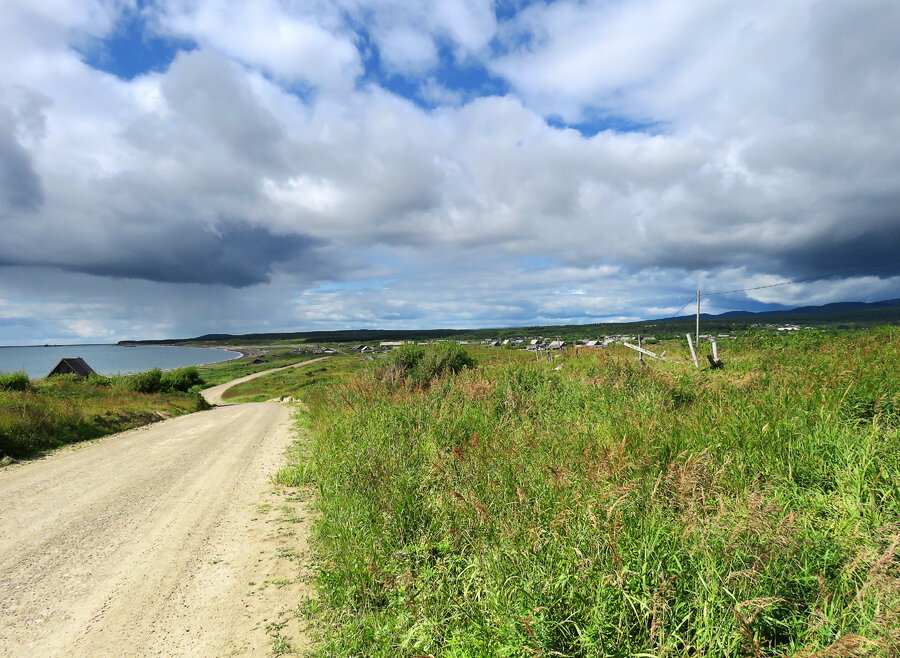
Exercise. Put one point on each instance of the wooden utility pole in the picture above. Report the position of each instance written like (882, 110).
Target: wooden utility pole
(697, 335)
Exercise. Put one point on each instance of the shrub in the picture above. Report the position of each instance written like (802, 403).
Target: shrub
(14, 381)
(144, 382)
(180, 380)
(156, 381)
(440, 358)
(420, 365)
(98, 380)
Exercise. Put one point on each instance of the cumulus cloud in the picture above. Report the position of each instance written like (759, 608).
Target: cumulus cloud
(292, 46)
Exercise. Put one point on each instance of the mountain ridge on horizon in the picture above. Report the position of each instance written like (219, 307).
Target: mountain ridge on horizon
(823, 309)
(819, 312)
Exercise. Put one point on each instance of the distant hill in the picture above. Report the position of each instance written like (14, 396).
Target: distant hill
(825, 309)
(840, 315)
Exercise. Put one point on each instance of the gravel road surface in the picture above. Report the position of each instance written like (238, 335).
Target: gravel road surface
(168, 540)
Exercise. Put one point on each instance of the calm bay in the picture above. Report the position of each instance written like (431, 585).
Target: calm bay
(37, 361)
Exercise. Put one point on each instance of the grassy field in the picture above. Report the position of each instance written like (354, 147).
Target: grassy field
(219, 373)
(595, 506)
(297, 382)
(49, 413)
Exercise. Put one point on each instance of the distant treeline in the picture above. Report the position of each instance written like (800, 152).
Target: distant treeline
(845, 315)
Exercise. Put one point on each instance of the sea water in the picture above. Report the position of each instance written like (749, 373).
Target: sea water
(109, 359)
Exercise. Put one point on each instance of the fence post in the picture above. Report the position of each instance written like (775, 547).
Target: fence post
(693, 353)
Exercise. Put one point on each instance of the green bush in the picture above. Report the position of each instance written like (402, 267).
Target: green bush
(180, 380)
(440, 358)
(420, 365)
(156, 381)
(148, 381)
(14, 381)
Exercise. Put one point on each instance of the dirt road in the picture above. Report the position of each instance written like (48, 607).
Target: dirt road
(214, 395)
(168, 540)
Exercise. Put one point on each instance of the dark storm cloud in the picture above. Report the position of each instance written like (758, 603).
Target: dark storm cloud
(862, 250)
(20, 186)
(233, 254)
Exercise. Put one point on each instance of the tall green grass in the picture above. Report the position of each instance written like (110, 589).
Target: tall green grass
(41, 415)
(617, 509)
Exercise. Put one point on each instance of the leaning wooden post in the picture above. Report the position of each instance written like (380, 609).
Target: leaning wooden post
(641, 344)
(715, 349)
(693, 353)
(643, 350)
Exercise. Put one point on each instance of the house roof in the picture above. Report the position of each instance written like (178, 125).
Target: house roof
(75, 365)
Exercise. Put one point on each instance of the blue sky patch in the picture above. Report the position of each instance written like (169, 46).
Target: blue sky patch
(599, 123)
(131, 49)
(469, 79)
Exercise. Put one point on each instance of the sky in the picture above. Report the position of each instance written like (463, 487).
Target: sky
(178, 167)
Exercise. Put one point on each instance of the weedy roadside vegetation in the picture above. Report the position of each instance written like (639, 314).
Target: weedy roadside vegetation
(610, 508)
(40, 415)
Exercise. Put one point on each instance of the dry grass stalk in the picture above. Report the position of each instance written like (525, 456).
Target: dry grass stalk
(746, 613)
(848, 646)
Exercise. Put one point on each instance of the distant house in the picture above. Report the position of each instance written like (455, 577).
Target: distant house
(391, 343)
(72, 366)
(557, 345)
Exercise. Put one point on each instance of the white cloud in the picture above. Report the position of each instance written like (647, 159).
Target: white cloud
(292, 46)
(407, 50)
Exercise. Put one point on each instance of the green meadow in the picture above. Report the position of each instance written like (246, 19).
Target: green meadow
(598, 506)
(43, 414)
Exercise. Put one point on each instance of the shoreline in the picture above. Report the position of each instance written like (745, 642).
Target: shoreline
(243, 351)
(111, 359)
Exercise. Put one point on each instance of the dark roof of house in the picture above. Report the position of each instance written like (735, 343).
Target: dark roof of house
(75, 365)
